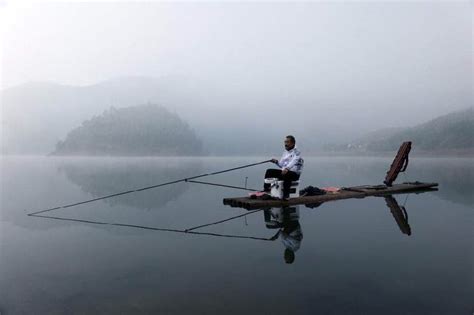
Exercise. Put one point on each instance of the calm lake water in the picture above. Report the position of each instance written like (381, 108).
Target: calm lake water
(350, 256)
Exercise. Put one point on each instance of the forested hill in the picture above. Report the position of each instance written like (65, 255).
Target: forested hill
(142, 130)
(452, 132)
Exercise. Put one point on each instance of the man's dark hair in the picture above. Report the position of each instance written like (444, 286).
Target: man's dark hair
(291, 138)
(289, 256)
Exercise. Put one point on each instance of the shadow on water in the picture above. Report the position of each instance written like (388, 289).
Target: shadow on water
(189, 231)
(74, 266)
(399, 213)
(94, 176)
(103, 177)
(286, 220)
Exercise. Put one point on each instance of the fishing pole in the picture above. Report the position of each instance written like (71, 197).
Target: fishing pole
(149, 187)
(143, 227)
(222, 221)
(220, 185)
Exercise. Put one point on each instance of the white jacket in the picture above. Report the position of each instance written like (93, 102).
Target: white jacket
(292, 160)
(293, 239)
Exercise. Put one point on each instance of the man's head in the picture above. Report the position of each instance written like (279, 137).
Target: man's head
(289, 256)
(290, 142)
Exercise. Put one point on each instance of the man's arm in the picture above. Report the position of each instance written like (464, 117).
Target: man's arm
(277, 162)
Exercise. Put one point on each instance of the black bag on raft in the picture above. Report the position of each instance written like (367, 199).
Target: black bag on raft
(311, 191)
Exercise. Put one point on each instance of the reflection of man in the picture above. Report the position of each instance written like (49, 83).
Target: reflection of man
(286, 220)
(291, 164)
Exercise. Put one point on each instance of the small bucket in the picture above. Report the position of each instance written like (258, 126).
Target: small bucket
(276, 187)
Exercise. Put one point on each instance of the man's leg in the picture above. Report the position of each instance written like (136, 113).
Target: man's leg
(287, 179)
(271, 172)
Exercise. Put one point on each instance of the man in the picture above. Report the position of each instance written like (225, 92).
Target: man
(291, 165)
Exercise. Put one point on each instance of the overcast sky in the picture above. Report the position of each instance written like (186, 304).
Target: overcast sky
(332, 55)
(333, 43)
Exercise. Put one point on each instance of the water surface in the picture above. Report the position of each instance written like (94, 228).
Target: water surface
(350, 256)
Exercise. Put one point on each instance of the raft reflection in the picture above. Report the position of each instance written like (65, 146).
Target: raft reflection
(286, 220)
(399, 214)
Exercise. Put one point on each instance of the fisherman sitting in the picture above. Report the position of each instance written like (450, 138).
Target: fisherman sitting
(291, 165)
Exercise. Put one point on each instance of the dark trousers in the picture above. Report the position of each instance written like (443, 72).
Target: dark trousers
(287, 179)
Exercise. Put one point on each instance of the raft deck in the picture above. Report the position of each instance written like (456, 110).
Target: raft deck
(344, 193)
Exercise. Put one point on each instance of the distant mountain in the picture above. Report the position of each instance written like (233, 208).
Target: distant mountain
(36, 115)
(230, 118)
(453, 132)
(142, 130)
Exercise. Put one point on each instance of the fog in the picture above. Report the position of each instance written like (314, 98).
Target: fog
(238, 72)
(135, 136)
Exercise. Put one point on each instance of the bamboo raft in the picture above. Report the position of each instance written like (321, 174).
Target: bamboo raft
(343, 193)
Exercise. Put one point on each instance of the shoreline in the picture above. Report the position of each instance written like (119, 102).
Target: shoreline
(461, 155)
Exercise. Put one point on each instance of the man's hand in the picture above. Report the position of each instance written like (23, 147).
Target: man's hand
(274, 161)
(284, 171)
